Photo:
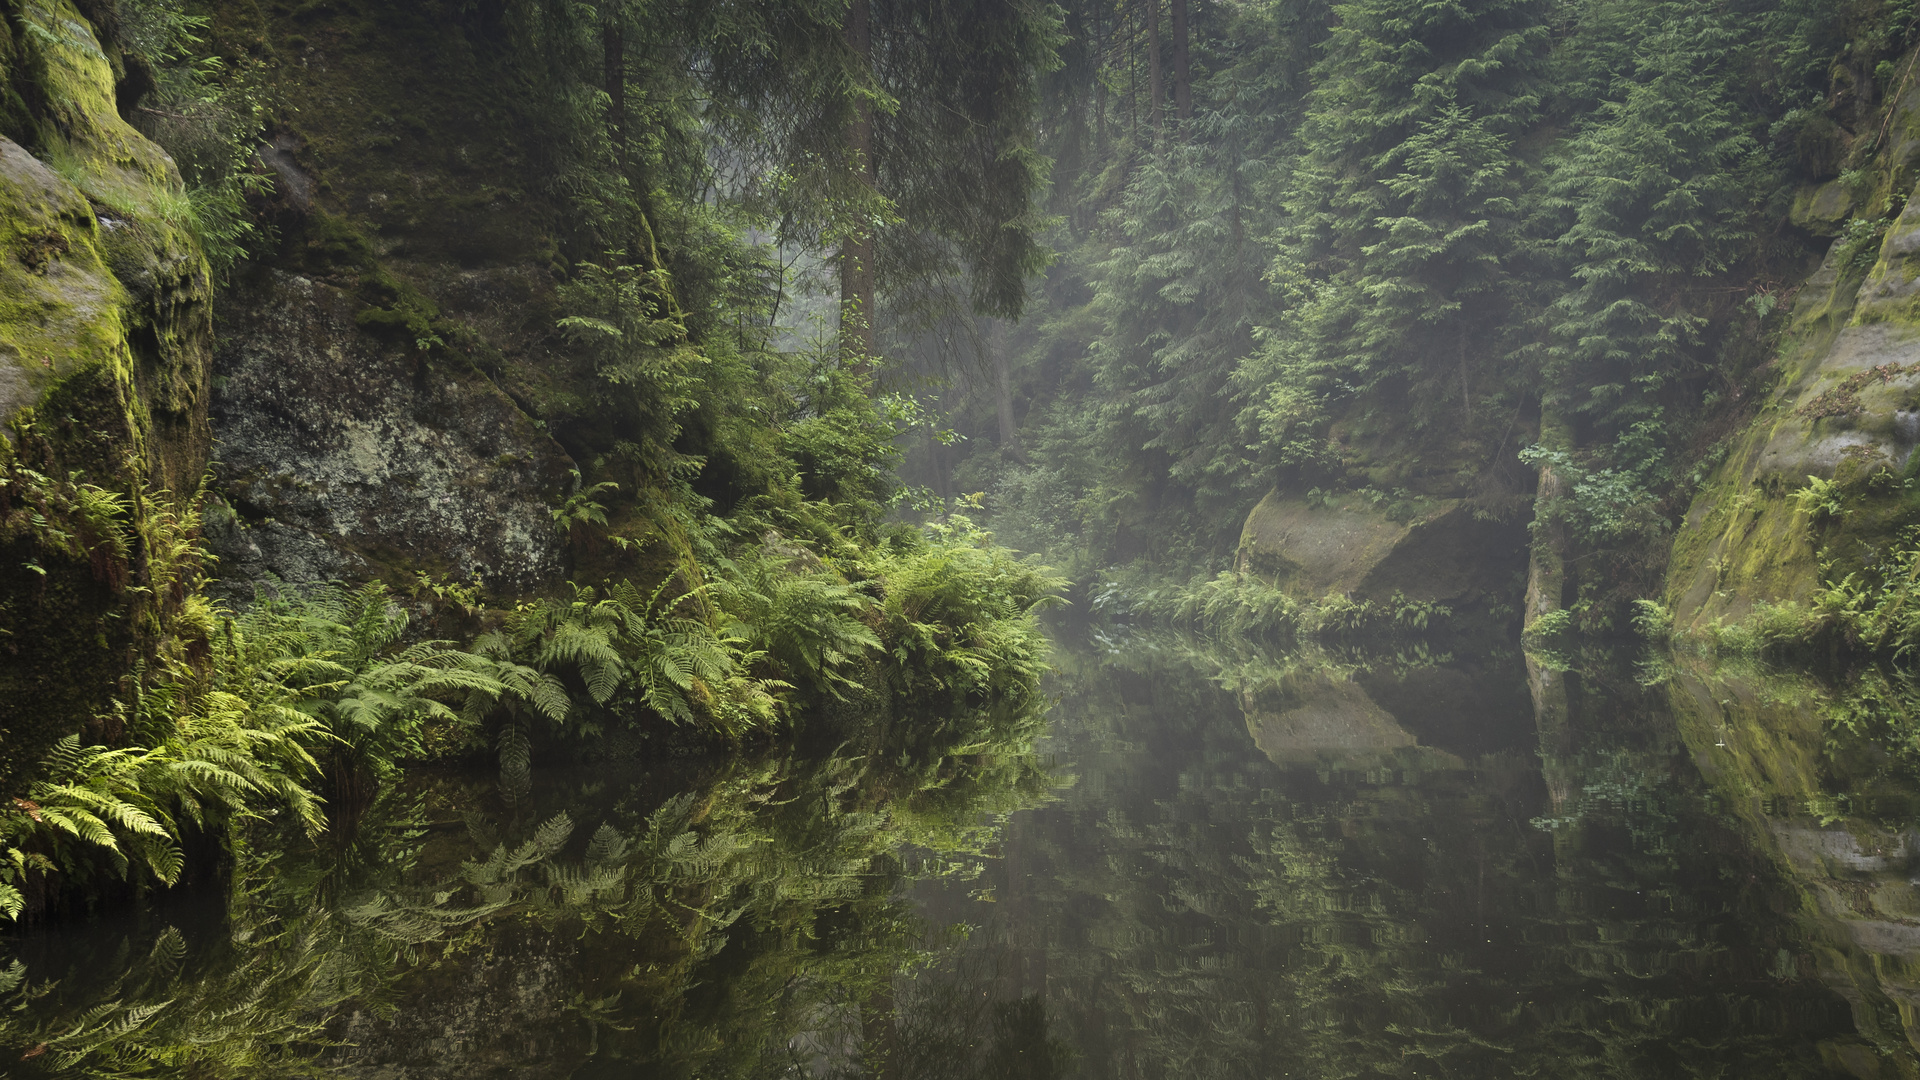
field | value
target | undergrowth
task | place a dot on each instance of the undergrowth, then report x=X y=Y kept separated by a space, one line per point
x=1242 y=605
x=301 y=706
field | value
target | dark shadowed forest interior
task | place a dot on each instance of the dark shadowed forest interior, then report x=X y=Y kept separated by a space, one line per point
x=960 y=539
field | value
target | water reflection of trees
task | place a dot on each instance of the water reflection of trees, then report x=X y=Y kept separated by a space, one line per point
x=719 y=921
x=1566 y=901
x=1657 y=873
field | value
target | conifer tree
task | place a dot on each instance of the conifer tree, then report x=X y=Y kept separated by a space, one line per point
x=1404 y=202
x=903 y=137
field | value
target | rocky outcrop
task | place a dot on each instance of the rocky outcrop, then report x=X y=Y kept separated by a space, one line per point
x=346 y=455
x=1434 y=550
x=1844 y=409
x=387 y=377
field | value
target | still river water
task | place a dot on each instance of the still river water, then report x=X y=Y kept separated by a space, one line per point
x=1203 y=861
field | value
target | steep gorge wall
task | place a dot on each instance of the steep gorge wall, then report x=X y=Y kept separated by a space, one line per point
x=370 y=394
x=105 y=350
x=1843 y=407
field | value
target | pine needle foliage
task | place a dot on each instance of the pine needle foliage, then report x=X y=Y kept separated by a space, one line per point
x=1393 y=235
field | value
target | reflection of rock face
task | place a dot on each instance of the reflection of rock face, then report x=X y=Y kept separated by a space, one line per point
x=1761 y=744
x=1326 y=718
x=1441 y=553
x=502 y=1013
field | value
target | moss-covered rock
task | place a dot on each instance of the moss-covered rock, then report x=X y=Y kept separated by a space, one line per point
x=76 y=116
x=1823 y=208
x=105 y=349
x=1845 y=407
x=350 y=455
x=388 y=395
x=60 y=306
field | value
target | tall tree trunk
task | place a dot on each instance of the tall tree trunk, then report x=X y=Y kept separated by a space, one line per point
x=1182 y=82
x=1003 y=391
x=1547 y=563
x=613 y=45
x=856 y=251
x=1156 y=89
x=1100 y=86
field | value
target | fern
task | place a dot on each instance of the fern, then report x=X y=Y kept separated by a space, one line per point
x=810 y=624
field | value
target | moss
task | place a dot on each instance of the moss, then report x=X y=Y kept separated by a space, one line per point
x=57 y=636
x=80 y=114
x=60 y=308
x=1822 y=208
x=1744 y=542
x=235 y=28
x=16 y=85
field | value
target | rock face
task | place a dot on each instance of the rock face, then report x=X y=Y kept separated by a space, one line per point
x=378 y=375
x=345 y=455
x=105 y=348
x=1438 y=551
x=1844 y=408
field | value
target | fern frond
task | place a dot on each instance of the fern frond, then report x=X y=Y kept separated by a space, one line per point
x=552 y=834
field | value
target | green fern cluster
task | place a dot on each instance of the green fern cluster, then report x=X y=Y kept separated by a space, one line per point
x=626 y=649
x=1877 y=609
x=959 y=614
x=303 y=705
x=1238 y=604
x=809 y=623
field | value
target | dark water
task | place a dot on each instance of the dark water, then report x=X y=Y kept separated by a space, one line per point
x=1214 y=862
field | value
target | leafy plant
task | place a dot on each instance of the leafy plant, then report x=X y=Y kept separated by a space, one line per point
x=627 y=646
x=335 y=655
x=810 y=624
x=958 y=615
x=1820 y=500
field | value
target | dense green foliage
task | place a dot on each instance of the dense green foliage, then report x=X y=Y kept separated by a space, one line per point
x=1411 y=247
x=320 y=692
